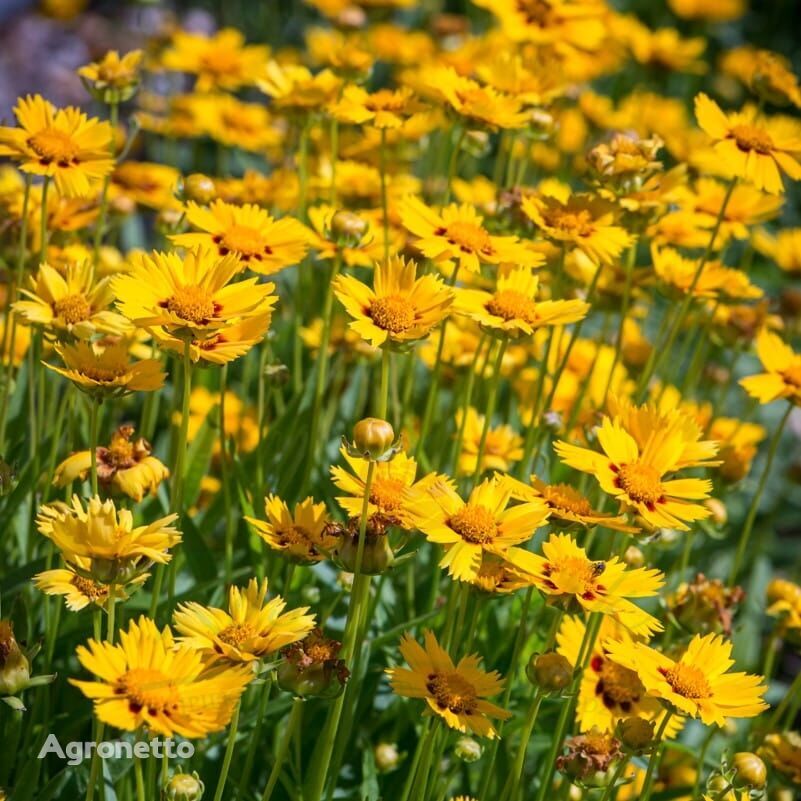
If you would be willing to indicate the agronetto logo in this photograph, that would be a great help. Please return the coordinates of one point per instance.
(74, 752)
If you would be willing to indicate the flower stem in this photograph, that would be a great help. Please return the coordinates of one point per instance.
(513, 782)
(656, 758)
(612, 786)
(230, 520)
(283, 748)
(490, 410)
(229, 753)
(94, 409)
(382, 157)
(113, 113)
(382, 400)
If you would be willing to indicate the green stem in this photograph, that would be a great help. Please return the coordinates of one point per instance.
(624, 311)
(103, 213)
(382, 400)
(612, 786)
(382, 157)
(490, 410)
(140, 780)
(94, 408)
(229, 753)
(515, 777)
(424, 744)
(255, 735)
(777, 713)
(656, 758)
(283, 748)
(525, 466)
(230, 520)
(43, 222)
(466, 403)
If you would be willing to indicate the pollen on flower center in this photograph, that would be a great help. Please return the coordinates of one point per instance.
(106, 373)
(385, 100)
(192, 303)
(293, 535)
(88, 588)
(687, 681)
(576, 575)
(392, 313)
(120, 454)
(792, 375)
(147, 688)
(54, 145)
(573, 223)
(536, 12)
(511, 305)
(469, 237)
(567, 499)
(73, 309)
(617, 685)
(640, 482)
(474, 524)
(243, 240)
(220, 61)
(322, 650)
(749, 137)
(236, 634)
(451, 691)
(387, 493)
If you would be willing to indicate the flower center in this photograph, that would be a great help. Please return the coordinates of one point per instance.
(387, 494)
(687, 681)
(220, 61)
(511, 305)
(392, 313)
(749, 137)
(147, 688)
(564, 498)
(469, 237)
(322, 650)
(73, 309)
(451, 691)
(474, 523)
(236, 634)
(106, 372)
(192, 303)
(50, 144)
(575, 575)
(792, 375)
(569, 223)
(617, 685)
(120, 453)
(640, 482)
(243, 240)
(293, 535)
(385, 100)
(536, 12)
(88, 588)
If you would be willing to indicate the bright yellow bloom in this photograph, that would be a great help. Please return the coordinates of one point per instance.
(782, 376)
(758, 150)
(784, 603)
(697, 684)
(400, 308)
(503, 446)
(248, 631)
(712, 10)
(113, 79)
(784, 248)
(258, 241)
(248, 126)
(739, 442)
(512, 311)
(146, 681)
(301, 535)
(665, 48)
(767, 74)
(386, 108)
(240, 421)
(148, 184)
(456, 693)
(294, 88)
(63, 144)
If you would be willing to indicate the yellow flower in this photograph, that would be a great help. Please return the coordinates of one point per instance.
(148, 681)
(125, 467)
(190, 297)
(386, 108)
(22, 340)
(738, 445)
(697, 684)
(300, 535)
(63, 144)
(113, 79)
(503, 447)
(457, 234)
(784, 248)
(711, 10)
(784, 603)
(482, 524)
(512, 311)
(148, 184)
(567, 575)
(782, 376)
(294, 88)
(248, 631)
(247, 232)
(758, 150)
(400, 308)
(107, 370)
(356, 237)
(456, 693)
(220, 61)
(239, 422)
(665, 48)
(767, 74)
(70, 305)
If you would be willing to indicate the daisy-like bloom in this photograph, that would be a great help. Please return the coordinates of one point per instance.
(758, 150)
(484, 523)
(698, 684)
(113, 79)
(634, 474)
(739, 441)
(62, 144)
(190, 297)
(240, 421)
(503, 446)
(301, 535)
(148, 681)
(294, 88)
(248, 631)
(608, 692)
(220, 61)
(568, 506)
(579, 221)
(456, 693)
(386, 108)
(248, 126)
(400, 308)
(126, 467)
(258, 241)
(107, 371)
(70, 305)
(146, 183)
(782, 376)
(665, 48)
(782, 750)
(565, 574)
(767, 74)
(496, 576)
(784, 603)
(512, 310)
(457, 234)
(107, 537)
(784, 248)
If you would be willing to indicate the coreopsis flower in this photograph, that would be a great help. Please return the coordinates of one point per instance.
(739, 441)
(457, 235)
(758, 150)
(312, 668)
(70, 305)
(125, 466)
(219, 61)
(248, 232)
(386, 108)
(580, 221)
(484, 523)
(782, 750)
(301, 535)
(190, 297)
(455, 692)
(784, 248)
(150, 681)
(512, 309)
(240, 421)
(247, 631)
(608, 692)
(782, 376)
(62, 144)
(784, 603)
(665, 48)
(146, 184)
(495, 576)
(626, 160)
(566, 575)
(703, 605)
(294, 88)
(112, 79)
(710, 10)
(769, 75)
(107, 537)
(502, 448)
(247, 126)
(697, 684)
(400, 308)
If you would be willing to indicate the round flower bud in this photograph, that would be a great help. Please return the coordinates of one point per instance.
(312, 667)
(550, 671)
(184, 787)
(718, 509)
(377, 555)
(636, 734)
(347, 225)
(200, 188)
(467, 749)
(386, 757)
(749, 771)
(634, 557)
(373, 437)
(15, 670)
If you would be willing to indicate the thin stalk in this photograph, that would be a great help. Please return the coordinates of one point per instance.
(424, 744)
(113, 113)
(515, 777)
(283, 748)
(656, 758)
(624, 311)
(382, 160)
(612, 786)
(525, 465)
(230, 520)
(94, 408)
(382, 399)
(490, 410)
(255, 735)
(229, 753)
(453, 461)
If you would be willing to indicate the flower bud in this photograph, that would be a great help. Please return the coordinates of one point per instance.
(184, 787)
(348, 226)
(312, 668)
(749, 771)
(718, 509)
(200, 188)
(15, 670)
(635, 733)
(590, 758)
(8, 478)
(373, 437)
(386, 757)
(377, 555)
(634, 557)
(551, 671)
(467, 749)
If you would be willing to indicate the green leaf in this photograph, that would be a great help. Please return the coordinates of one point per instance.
(199, 457)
